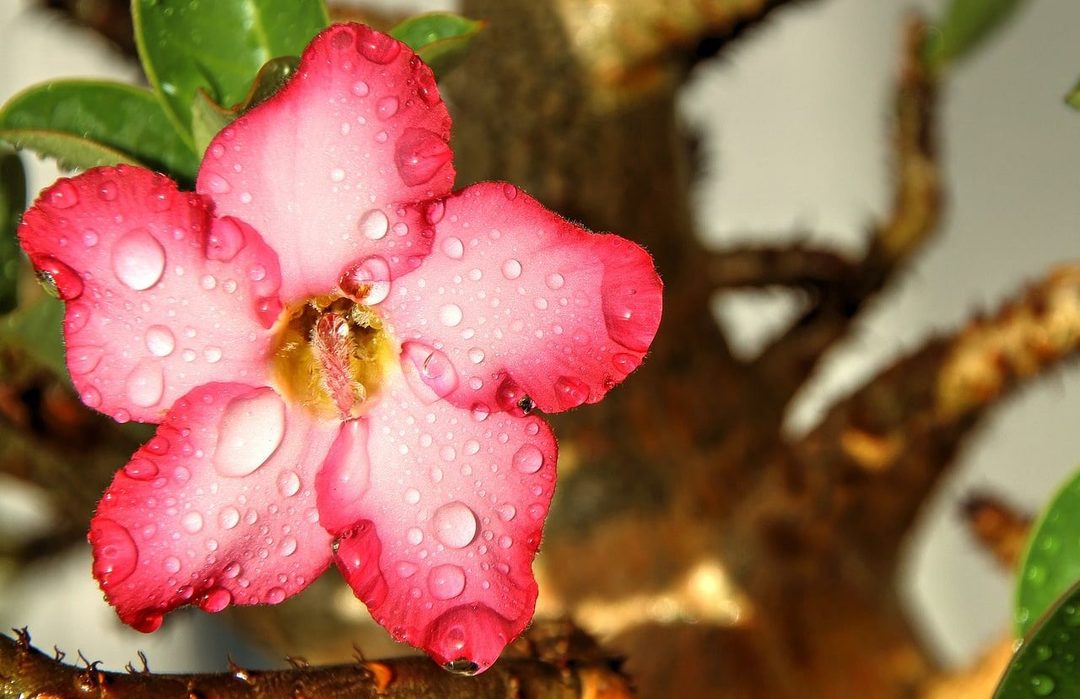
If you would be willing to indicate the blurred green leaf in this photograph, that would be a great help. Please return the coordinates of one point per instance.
(118, 117)
(1051, 561)
(1073, 98)
(70, 152)
(209, 117)
(1046, 663)
(217, 45)
(36, 329)
(439, 38)
(966, 24)
(12, 203)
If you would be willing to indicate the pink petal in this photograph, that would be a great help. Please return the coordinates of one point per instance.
(441, 521)
(217, 508)
(321, 168)
(161, 297)
(523, 305)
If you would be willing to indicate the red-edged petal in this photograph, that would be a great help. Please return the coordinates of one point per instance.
(161, 298)
(321, 168)
(217, 508)
(440, 518)
(516, 304)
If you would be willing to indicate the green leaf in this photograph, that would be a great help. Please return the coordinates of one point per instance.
(1051, 561)
(439, 38)
(209, 117)
(71, 152)
(217, 45)
(12, 203)
(119, 117)
(1073, 98)
(36, 329)
(1046, 663)
(966, 24)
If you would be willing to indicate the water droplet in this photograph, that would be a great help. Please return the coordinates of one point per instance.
(571, 392)
(275, 595)
(511, 269)
(217, 150)
(160, 341)
(378, 47)
(107, 190)
(337, 175)
(414, 536)
(232, 570)
(63, 195)
(507, 512)
(91, 397)
(431, 366)
(192, 522)
(250, 431)
(90, 238)
(78, 315)
(212, 354)
(536, 511)
(368, 281)
(419, 154)
(360, 88)
(625, 363)
(412, 496)
(387, 107)
(208, 282)
(83, 360)
(455, 525)
(141, 469)
(138, 260)
(146, 384)
(218, 184)
(216, 600)
(405, 569)
(288, 483)
(288, 546)
(226, 238)
(528, 459)
(374, 225)
(1043, 652)
(453, 248)
(435, 212)
(1042, 685)
(66, 281)
(115, 555)
(446, 581)
(229, 517)
(555, 280)
(172, 564)
(450, 315)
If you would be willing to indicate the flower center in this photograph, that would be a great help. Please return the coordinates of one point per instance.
(331, 355)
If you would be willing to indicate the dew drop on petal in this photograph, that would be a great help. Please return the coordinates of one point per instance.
(84, 359)
(368, 281)
(337, 175)
(450, 315)
(250, 431)
(141, 469)
(192, 522)
(405, 569)
(476, 355)
(455, 525)
(275, 595)
(360, 88)
(387, 107)
(625, 363)
(507, 512)
(107, 190)
(554, 281)
(288, 546)
(453, 248)
(146, 384)
(374, 225)
(528, 459)
(216, 600)
(138, 260)
(115, 555)
(218, 184)
(63, 195)
(414, 536)
(378, 47)
(229, 517)
(571, 392)
(431, 366)
(171, 564)
(511, 269)
(224, 240)
(419, 154)
(412, 496)
(446, 581)
(288, 483)
(160, 341)
(68, 283)
(78, 315)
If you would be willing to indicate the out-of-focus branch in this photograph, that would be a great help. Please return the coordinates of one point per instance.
(791, 266)
(26, 672)
(894, 241)
(888, 443)
(1000, 529)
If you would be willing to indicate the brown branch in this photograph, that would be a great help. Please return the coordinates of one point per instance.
(894, 241)
(25, 672)
(887, 444)
(797, 265)
(998, 528)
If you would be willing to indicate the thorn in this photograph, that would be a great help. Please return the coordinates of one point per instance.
(91, 666)
(242, 674)
(23, 637)
(58, 655)
(298, 662)
(358, 654)
(142, 659)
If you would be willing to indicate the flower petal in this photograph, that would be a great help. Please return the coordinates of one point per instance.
(217, 508)
(161, 297)
(523, 305)
(320, 168)
(439, 539)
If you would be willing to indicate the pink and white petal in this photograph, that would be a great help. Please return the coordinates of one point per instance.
(517, 304)
(439, 541)
(217, 508)
(322, 168)
(161, 297)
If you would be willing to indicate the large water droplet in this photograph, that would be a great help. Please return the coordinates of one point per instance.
(1042, 685)
(160, 341)
(250, 431)
(146, 384)
(216, 600)
(453, 248)
(115, 555)
(374, 225)
(431, 366)
(387, 107)
(360, 88)
(172, 564)
(62, 195)
(141, 469)
(138, 260)
(368, 281)
(288, 483)
(450, 315)
(378, 47)
(275, 595)
(528, 459)
(226, 238)
(67, 282)
(218, 184)
(229, 517)
(446, 581)
(571, 392)
(83, 360)
(420, 154)
(455, 525)
(192, 522)
(288, 546)
(511, 269)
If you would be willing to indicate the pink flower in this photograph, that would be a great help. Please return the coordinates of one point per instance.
(341, 355)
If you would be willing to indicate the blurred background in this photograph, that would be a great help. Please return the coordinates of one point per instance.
(793, 128)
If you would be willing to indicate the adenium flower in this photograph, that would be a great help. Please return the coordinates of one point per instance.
(341, 356)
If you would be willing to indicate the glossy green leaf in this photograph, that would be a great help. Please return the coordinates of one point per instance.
(36, 329)
(217, 45)
(12, 203)
(70, 152)
(122, 118)
(1051, 561)
(966, 24)
(1045, 665)
(441, 39)
(207, 118)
